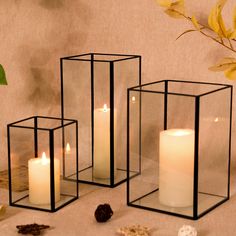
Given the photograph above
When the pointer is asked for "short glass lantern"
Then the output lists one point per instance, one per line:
(94, 88)
(179, 141)
(40, 151)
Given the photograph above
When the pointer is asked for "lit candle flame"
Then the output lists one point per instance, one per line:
(44, 158)
(105, 108)
(216, 119)
(133, 99)
(67, 148)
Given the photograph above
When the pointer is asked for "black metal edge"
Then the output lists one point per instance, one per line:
(77, 159)
(142, 85)
(35, 137)
(140, 116)
(127, 58)
(211, 208)
(165, 105)
(230, 139)
(127, 161)
(169, 93)
(45, 129)
(112, 133)
(161, 211)
(9, 164)
(92, 106)
(196, 154)
(52, 176)
(80, 55)
(181, 81)
(102, 54)
(43, 209)
(28, 118)
(213, 91)
(197, 82)
(62, 117)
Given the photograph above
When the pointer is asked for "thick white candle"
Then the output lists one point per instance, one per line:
(101, 163)
(39, 180)
(176, 160)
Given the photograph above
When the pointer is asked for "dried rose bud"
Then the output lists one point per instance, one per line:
(103, 212)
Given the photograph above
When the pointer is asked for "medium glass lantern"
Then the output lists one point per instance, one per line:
(179, 138)
(43, 162)
(94, 88)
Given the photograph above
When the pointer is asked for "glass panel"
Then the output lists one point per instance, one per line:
(180, 112)
(126, 74)
(77, 105)
(144, 188)
(134, 133)
(213, 149)
(65, 165)
(26, 172)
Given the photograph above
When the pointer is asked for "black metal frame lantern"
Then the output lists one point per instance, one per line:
(93, 90)
(43, 163)
(179, 141)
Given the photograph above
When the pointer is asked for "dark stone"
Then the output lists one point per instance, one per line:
(103, 213)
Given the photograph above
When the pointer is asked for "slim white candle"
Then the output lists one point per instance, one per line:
(101, 165)
(39, 180)
(176, 160)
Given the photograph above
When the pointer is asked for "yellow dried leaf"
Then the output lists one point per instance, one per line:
(178, 6)
(164, 3)
(173, 13)
(231, 34)
(213, 19)
(222, 30)
(195, 22)
(224, 64)
(231, 73)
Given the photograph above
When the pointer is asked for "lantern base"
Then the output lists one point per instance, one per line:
(151, 202)
(86, 176)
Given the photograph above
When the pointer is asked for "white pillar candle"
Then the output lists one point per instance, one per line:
(39, 180)
(101, 162)
(176, 160)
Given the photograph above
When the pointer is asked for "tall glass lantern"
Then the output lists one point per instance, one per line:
(179, 141)
(94, 88)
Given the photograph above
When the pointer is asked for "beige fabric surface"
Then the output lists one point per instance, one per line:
(78, 217)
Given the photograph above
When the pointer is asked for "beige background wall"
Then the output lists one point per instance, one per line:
(35, 34)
